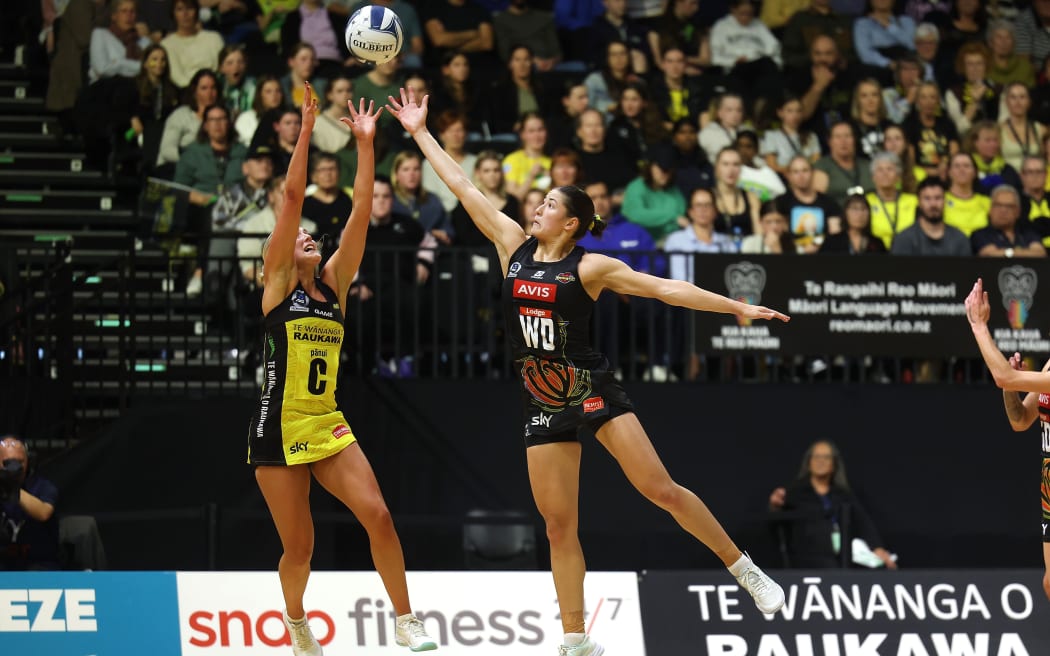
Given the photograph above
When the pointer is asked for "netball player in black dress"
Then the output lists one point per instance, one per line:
(1011, 377)
(549, 293)
(298, 429)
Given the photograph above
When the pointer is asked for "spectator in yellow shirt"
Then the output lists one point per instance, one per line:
(964, 207)
(891, 209)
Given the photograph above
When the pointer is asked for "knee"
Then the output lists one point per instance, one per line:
(299, 551)
(665, 494)
(376, 517)
(1046, 584)
(561, 528)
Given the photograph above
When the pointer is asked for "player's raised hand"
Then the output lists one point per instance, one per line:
(362, 122)
(413, 116)
(309, 106)
(1017, 362)
(978, 310)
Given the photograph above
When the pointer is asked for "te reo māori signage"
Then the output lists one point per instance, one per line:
(850, 613)
(893, 306)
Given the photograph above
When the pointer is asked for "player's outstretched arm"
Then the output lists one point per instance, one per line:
(978, 310)
(499, 228)
(342, 266)
(602, 272)
(1021, 411)
(279, 259)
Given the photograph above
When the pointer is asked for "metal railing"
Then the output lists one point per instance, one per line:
(109, 322)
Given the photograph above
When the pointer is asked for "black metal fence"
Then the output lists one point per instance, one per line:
(107, 320)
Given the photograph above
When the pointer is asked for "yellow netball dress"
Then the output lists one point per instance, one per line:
(298, 420)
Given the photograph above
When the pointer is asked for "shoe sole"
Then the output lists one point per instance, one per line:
(426, 646)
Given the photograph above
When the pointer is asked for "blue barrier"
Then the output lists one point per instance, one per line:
(88, 613)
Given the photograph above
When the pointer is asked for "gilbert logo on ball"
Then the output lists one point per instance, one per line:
(374, 34)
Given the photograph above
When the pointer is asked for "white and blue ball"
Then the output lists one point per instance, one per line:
(374, 34)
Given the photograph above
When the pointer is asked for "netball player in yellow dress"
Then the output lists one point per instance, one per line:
(298, 430)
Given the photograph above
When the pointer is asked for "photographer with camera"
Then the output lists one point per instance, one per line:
(28, 526)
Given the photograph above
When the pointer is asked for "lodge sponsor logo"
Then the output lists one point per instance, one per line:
(565, 277)
(535, 312)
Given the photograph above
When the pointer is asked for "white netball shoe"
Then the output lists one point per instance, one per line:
(303, 641)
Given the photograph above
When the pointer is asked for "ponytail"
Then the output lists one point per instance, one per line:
(598, 225)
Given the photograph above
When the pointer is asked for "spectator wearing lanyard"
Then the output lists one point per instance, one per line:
(891, 209)
(781, 146)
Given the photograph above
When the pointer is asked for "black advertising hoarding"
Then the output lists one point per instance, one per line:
(872, 305)
(850, 613)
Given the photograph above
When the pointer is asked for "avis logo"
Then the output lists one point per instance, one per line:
(78, 606)
(298, 447)
(537, 291)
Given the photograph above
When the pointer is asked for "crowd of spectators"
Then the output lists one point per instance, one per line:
(820, 126)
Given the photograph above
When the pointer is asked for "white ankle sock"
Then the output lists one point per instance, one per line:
(402, 618)
(741, 565)
(301, 620)
(573, 639)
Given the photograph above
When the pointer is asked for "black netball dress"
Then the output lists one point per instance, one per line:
(565, 383)
(1044, 429)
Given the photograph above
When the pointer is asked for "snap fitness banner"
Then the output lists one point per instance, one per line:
(873, 305)
(467, 613)
(830, 613)
(88, 613)
(847, 613)
(168, 613)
